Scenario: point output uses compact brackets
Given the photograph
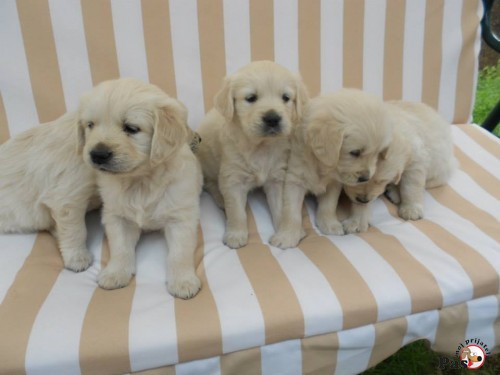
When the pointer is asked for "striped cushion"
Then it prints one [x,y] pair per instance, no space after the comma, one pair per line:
[259,303]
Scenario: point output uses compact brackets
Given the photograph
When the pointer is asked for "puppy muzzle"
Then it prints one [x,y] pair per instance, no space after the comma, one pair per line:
[271,123]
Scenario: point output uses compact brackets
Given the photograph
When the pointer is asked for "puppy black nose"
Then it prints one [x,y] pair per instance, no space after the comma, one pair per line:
[101,154]
[363,178]
[362,199]
[271,119]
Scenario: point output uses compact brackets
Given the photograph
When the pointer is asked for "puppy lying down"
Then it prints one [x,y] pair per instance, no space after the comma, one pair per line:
[136,138]
[245,141]
[420,156]
[339,142]
[45,185]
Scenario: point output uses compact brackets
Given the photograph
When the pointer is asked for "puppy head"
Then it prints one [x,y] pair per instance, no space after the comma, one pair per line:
[366,133]
[126,125]
[263,98]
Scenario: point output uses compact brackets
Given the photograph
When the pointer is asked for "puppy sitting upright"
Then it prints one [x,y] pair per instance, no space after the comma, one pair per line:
[246,141]
[420,156]
[339,142]
[135,136]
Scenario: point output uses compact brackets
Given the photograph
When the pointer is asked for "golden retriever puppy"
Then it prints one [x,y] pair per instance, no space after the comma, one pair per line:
[44,185]
[136,137]
[343,136]
[245,141]
[420,156]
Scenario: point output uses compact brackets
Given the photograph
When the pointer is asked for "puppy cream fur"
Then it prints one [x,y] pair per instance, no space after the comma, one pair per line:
[420,156]
[135,136]
[245,141]
[340,141]
[44,185]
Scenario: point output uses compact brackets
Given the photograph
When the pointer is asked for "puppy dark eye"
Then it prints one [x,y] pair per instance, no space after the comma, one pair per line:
[355,153]
[90,125]
[131,129]
[251,98]
[286,98]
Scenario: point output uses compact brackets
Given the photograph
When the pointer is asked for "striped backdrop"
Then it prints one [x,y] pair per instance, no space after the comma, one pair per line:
[332,304]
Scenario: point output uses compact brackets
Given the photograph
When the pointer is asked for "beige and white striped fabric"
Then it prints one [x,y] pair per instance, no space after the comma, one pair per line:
[334,304]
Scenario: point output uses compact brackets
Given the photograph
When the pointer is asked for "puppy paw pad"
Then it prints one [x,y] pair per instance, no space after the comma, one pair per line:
[184,287]
[331,227]
[78,261]
[411,212]
[352,226]
[235,240]
[285,240]
[108,279]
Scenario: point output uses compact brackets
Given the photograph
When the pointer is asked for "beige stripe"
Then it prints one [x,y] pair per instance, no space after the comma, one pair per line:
[158,42]
[4,125]
[354,15]
[467,63]
[389,337]
[198,326]
[319,354]
[212,50]
[451,328]
[101,47]
[24,299]
[245,362]
[39,45]
[451,199]
[479,174]
[104,338]
[283,316]
[262,29]
[487,143]
[344,280]
[393,49]
[434,11]
[167,370]
[479,270]
[309,44]
[424,290]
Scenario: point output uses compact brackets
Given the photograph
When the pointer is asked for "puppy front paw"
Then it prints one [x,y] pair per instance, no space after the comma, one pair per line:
[76,260]
[392,193]
[185,287]
[287,239]
[330,226]
[111,278]
[354,225]
[411,211]
[235,238]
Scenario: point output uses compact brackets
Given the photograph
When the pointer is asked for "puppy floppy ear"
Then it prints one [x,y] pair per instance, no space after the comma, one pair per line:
[80,134]
[224,102]
[301,100]
[325,140]
[170,131]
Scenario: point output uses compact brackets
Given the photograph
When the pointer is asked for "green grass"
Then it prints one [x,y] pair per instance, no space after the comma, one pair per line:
[417,358]
[488,94]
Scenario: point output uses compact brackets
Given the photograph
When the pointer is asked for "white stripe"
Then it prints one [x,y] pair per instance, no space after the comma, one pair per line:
[54,343]
[463,229]
[464,185]
[452,47]
[237,34]
[232,291]
[15,84]
[15,249]
[413,51]
[320,306]
[475,151]
[153,309]
[421,326]
[282,358]
[373,47]
[129,37]
[71,47]
[483,314]
[187,63]
[286,33]
[332,26]
[209,366]
[355,349]
[453,281]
